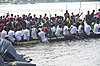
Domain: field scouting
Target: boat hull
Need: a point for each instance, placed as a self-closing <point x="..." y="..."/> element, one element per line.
<point x="64" y="38"/>
<point x="18" y="63"/>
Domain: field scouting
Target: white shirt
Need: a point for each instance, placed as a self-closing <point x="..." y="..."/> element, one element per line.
<point x="85" y="23"/>
<point x="53" y="29"/>
<point x="11" y="34"/>
<point x="65" y="30"/>
<point x="42" y="36"/>
<point x="73" y="30"/>
<point x="41" y="23"/>
<point x="96" y="27"/>
<point x="99" y="25"/>
<point x="87" y="29"/>
<point x="33" y="33"/>
<point x="26" y="34"/>
<point x="58" y="31"/>
<point x="18" y="35"/>
<point x="80" y="29"/>
<point x="27" y="23"/>
<point x="3" y="34"/>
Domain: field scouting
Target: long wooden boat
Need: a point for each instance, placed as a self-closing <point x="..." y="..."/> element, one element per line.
<point x="63" y="38"/>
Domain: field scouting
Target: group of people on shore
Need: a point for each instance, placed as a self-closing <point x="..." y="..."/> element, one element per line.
<point x="29" y="27"/>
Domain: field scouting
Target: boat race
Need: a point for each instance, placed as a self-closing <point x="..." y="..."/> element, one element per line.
<point x="49" y="33"/>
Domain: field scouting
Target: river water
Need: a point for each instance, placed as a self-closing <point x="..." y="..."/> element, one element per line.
<point x="50" y="8"/>
<point x="69" y="53"/>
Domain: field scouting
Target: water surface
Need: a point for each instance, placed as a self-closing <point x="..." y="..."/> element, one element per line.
<point x="74" y="53"/>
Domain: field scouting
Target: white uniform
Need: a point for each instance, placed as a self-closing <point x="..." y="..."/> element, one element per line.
<point x="96" y="27"/>
<point x="11" y="34"/>
<point x="99" y="25"/>
<point x="58" y="31"/>
<point x="26" y="34"/>
<point x="33" y="33"/>
<point x="18" y="35"/>
<point x="87" y="29"/>
<point x="42" y="36"/>
<point x="27" y="23"/>
<point x="41" y="24"/>
<point x="53" y="29"/>
<point x="73" y="30"/>
<point x="3" y="34"/>
<point x="65" y="30"/>
<point x="80" y="29"/>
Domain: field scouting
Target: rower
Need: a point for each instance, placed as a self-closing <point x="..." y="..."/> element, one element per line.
<point x="65" y="30"/>
<point x="18" y="34"/>
<point x="96" y="27"/>
<point x="74" y="32"/>
<point x="26" y="34"/>
<point x="87" y="29"/>
<point x="58" y="31"/>
<point x="33" y="32"/>
<point x="11" y="34"/>
<point x="80" y="28"/>
<point x="4" y="33"/>
<point x="53" y="30"/>
<point x="73" y="29"/>
<point x="42" y="36"/>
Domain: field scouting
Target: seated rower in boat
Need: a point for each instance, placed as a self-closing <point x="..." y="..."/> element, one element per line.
<point x="58" y="31"/>
<point x="42" y="36"/>
<point x="26" y="34"/>
<point x="65" y="30"/>
<point x="87" y="29"/>
<point x="18" y="34"/>
<point x="53" y="30"/>
<point x="96" y="27"/>
<point x="74" y="32"/>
